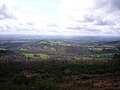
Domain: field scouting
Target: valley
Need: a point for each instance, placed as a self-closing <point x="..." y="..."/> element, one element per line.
<point x="68" y="63"/>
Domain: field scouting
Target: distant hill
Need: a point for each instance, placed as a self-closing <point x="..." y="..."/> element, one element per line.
<point x="114" y="43"/>
<point x="11" y="56"/>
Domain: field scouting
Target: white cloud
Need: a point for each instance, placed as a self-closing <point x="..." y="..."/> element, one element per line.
<point x="90" y="15"/>
<point x="13" y="22"/>
<point x="77" y="17"/>
<point x="6" y="11"/>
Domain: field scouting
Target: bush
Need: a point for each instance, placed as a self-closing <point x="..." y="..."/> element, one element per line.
<point x="114" y="65"/>
<point x="21" y="82"/>
<point x="116" y="60"/>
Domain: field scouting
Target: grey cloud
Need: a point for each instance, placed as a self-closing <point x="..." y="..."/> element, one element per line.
<point x="116" y="4"/>
<point x="30" y="23"/>
<point x="5" y="12"/>
<point x="88" y="18"/>
<point x="75" y="28"/>
<point x="109" y="5"/>
<point x="96" y="20"/>
<point x="102" y="22"/>
<point x="93" y="30"/>
<point x="84" y="28"/>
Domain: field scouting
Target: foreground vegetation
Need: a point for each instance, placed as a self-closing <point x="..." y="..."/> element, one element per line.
<point x="60" y="75"/>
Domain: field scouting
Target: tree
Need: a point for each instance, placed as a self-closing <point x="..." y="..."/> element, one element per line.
<point x="116" y="60"/>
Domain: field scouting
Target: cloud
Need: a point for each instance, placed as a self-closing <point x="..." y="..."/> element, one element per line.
<point x="6" y="11"/>
<point x="13" y="22"/>
<point x="76" y="17"/>
<point x="115" y="5"/>
<point x="91" y="15"/>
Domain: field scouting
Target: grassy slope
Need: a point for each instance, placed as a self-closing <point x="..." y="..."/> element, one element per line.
<point x="30" y="55"/>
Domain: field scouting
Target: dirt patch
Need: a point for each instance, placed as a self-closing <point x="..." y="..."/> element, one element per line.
<point x="99" y="83"/>
<point x="30" y="74"/>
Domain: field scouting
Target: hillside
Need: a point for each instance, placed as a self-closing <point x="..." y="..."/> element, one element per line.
<point x="59" y="64"/>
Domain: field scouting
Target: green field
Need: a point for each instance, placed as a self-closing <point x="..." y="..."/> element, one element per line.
<point x="45" y="47"/>
<point x="43" y="56"/>
<point x="30" y="55"/>
<point x="53" y="50"/>
<point x="23" y="49"/>
<point x="43" y="42"/>
<point x="96" y="49"/>
<point x="59" y="43"/>
<point x="2" y="49"/>
<point x="83" y="58"/>
<point x="109" y="55"/>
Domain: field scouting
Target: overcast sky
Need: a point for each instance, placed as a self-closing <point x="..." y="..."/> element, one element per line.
<point x="60" y="17"/>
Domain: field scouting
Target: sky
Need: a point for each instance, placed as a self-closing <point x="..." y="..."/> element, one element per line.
<point x="60" y="17"/>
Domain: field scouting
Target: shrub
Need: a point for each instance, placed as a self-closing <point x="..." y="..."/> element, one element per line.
<point x="20" y="82"/>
